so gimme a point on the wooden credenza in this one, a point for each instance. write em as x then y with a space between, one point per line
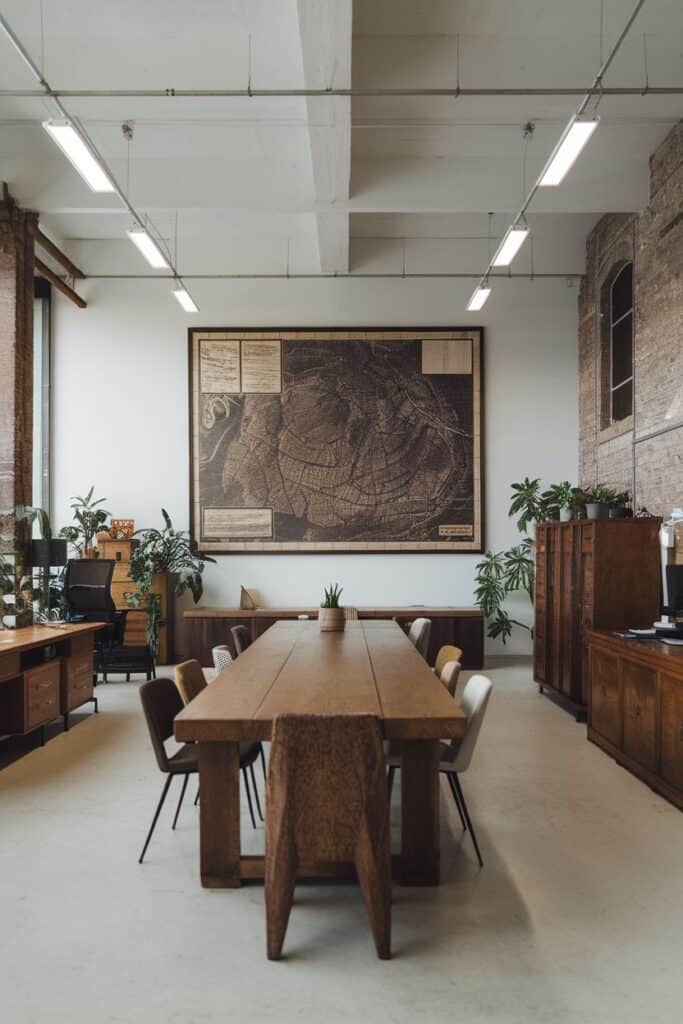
45 672
635 707
204 628
602 574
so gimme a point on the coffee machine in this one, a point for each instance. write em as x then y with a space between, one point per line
671 623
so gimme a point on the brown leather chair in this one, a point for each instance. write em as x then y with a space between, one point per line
161 702
241 638
190 680
327 801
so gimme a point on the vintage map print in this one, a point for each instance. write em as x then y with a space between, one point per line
337 440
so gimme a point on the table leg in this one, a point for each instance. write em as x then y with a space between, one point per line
420 812
219 814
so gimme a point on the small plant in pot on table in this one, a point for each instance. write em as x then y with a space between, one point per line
331 616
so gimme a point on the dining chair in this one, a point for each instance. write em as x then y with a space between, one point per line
448 652
350 613
190 681
161 702
419 634
221 657
327 802
241 638
455 757
450 674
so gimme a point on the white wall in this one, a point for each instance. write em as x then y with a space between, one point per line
120 412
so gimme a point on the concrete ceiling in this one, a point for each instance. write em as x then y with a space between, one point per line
331 184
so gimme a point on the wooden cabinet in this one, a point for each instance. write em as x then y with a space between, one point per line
602 574
41 692
635 710
136 620
203 628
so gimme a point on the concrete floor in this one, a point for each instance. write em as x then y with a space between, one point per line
577 915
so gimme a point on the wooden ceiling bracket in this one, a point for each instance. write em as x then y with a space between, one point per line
58 283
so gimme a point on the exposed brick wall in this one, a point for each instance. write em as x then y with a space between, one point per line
16 352
645 451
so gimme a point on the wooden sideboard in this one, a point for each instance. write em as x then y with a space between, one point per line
45 672
602 574
635 707
203 628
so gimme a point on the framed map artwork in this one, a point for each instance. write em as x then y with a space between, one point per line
345 440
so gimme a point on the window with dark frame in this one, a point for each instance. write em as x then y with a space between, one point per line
621 345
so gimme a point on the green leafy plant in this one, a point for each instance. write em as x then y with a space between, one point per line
332 595
498 575
600 494
165 550
89 518
528 503
561 496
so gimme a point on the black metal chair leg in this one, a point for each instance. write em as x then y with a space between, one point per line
164 792
180 802
457 800
263 764
196 799
246 785
256 796
390 780
468 819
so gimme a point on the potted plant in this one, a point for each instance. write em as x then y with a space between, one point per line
165 551
331 617
597 501
561 501
89 521
620 507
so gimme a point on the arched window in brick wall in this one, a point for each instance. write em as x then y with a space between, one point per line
617 335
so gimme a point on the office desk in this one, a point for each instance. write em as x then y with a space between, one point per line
370 668
45 672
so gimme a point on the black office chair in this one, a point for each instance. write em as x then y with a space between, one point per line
87 593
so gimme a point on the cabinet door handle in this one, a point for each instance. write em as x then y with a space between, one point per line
637 710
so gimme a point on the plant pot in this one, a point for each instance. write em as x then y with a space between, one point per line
331 620
596 510
565 515
621 512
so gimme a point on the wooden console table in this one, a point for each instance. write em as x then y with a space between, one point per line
45 672
635 707
204 628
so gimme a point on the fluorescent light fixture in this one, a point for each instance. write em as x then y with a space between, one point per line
78 152
573 139
149 249
478 297
513 240
186 300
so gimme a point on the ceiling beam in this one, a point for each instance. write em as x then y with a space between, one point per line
325 29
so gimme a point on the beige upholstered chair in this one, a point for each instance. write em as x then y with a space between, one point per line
419 634
449 676
455 757
448 652
190 681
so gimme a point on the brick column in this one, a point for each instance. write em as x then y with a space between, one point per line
17 229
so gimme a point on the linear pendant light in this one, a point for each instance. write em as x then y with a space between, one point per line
571 142
186 300
513 240
148 247
75 149
478 297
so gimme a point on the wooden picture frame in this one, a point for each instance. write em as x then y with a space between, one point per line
444 372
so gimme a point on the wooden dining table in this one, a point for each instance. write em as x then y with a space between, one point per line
369 668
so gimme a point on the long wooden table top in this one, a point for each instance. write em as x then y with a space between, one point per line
13 641
375 612
369 668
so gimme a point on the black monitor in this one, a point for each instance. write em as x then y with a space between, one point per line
674 589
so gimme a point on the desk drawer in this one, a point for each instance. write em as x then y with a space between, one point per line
41 693
77 680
